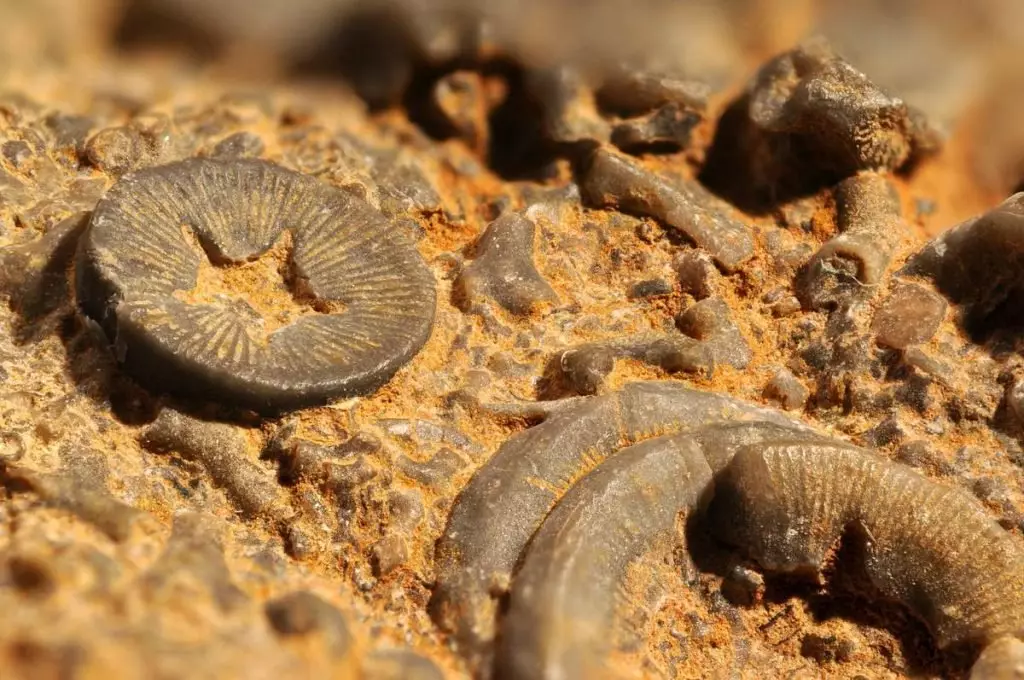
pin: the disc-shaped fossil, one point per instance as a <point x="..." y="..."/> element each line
<point x="245" y="282"/>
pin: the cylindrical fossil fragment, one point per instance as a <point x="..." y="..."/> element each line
<point x="615" y="179"/>
<point x="562" y="611"/>
<point x="929" y="546"/>
<point x="868" y="216"/>
<point x="365" y="296"/>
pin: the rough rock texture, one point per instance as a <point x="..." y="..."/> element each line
<point x="636" y="240"/>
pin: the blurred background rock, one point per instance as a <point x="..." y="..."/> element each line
<point x="957" y="61"/>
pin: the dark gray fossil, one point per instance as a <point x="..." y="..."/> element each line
<point x="504" y="270"/>
<point x="979" y="265"/>
<point x="136" y="262"/>
<point x="613" y="179"/>
<point x="562" y="609"/>
<point x="508" y="498"/>
<point x="930" y="546"/>
<point x="868" y="217"/>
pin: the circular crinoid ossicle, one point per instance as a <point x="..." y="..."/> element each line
<point x="245" y="282"/>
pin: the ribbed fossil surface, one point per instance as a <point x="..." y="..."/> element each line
<point x="561" y="617"/>
<point x="495" y="515"/>
<point x="927" y="545"/>
<point x="137" y="259"/>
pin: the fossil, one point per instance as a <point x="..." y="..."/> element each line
<point x="930" y="546"/>
<point x="508" y="498"/>
<point x="869" y="224"/>
<point x="614" y="179"/>
<point x="504" y="270"/>
<point x="978" y="265"/>
<point x="366" y="297"/>
<point x="562" y="604"/>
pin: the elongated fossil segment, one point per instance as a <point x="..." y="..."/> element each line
<point x="221" y="449"/>
<point x="614" y="179"/>
<point x="928" y="546"/>
<point x="361" y="300"/>
<point x="508" y="498"/>
<point x="980" y="265"/>
<point x="562" y="611"/>
<point x="585" y="367"/>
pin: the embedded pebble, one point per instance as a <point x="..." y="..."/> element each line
<point x="910" y="315"/>
<point x="710" y="322"/>
<point x="785" y="388"/>
<point x="116" y="150"/>
<point x="239" y="145"/>
<point x="302" y="613"/>
<point x="697" y="274"/>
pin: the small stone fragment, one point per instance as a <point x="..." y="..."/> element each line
<point x="909" y="316"/>
<point x="697" y="273"/>
<point x="785" y="388"/>
<point x="116" y="150"/>
<point x="826" y="648"/>
<point x="16" y="151"/>
<point x="390" y="553"/>
<point x="650" y="288"/>
<point x="239" y="145"/>
<point x="586" y="367"/>
<point x="612" y="179"/>
<point x="302" y="613"/>
<point x="503" y="269"/>
<point x="1015" y="399"/>
<point x="710" y="321"/>
<point x="435" y="473"/>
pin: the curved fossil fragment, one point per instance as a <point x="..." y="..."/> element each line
<point x="504" y="270"/>
<point x="614" y="179"/>
<point x="508" y="498"/>
<point x="586" y="366"/>
<point x="367" y="297"/>
<point x="929" y="546"/>
<point x="980" y="265"/>
<point x="562" y="607"/>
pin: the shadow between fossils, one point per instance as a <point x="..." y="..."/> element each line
<point x="43" y="301"/>
<point x="845" y="593"/>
